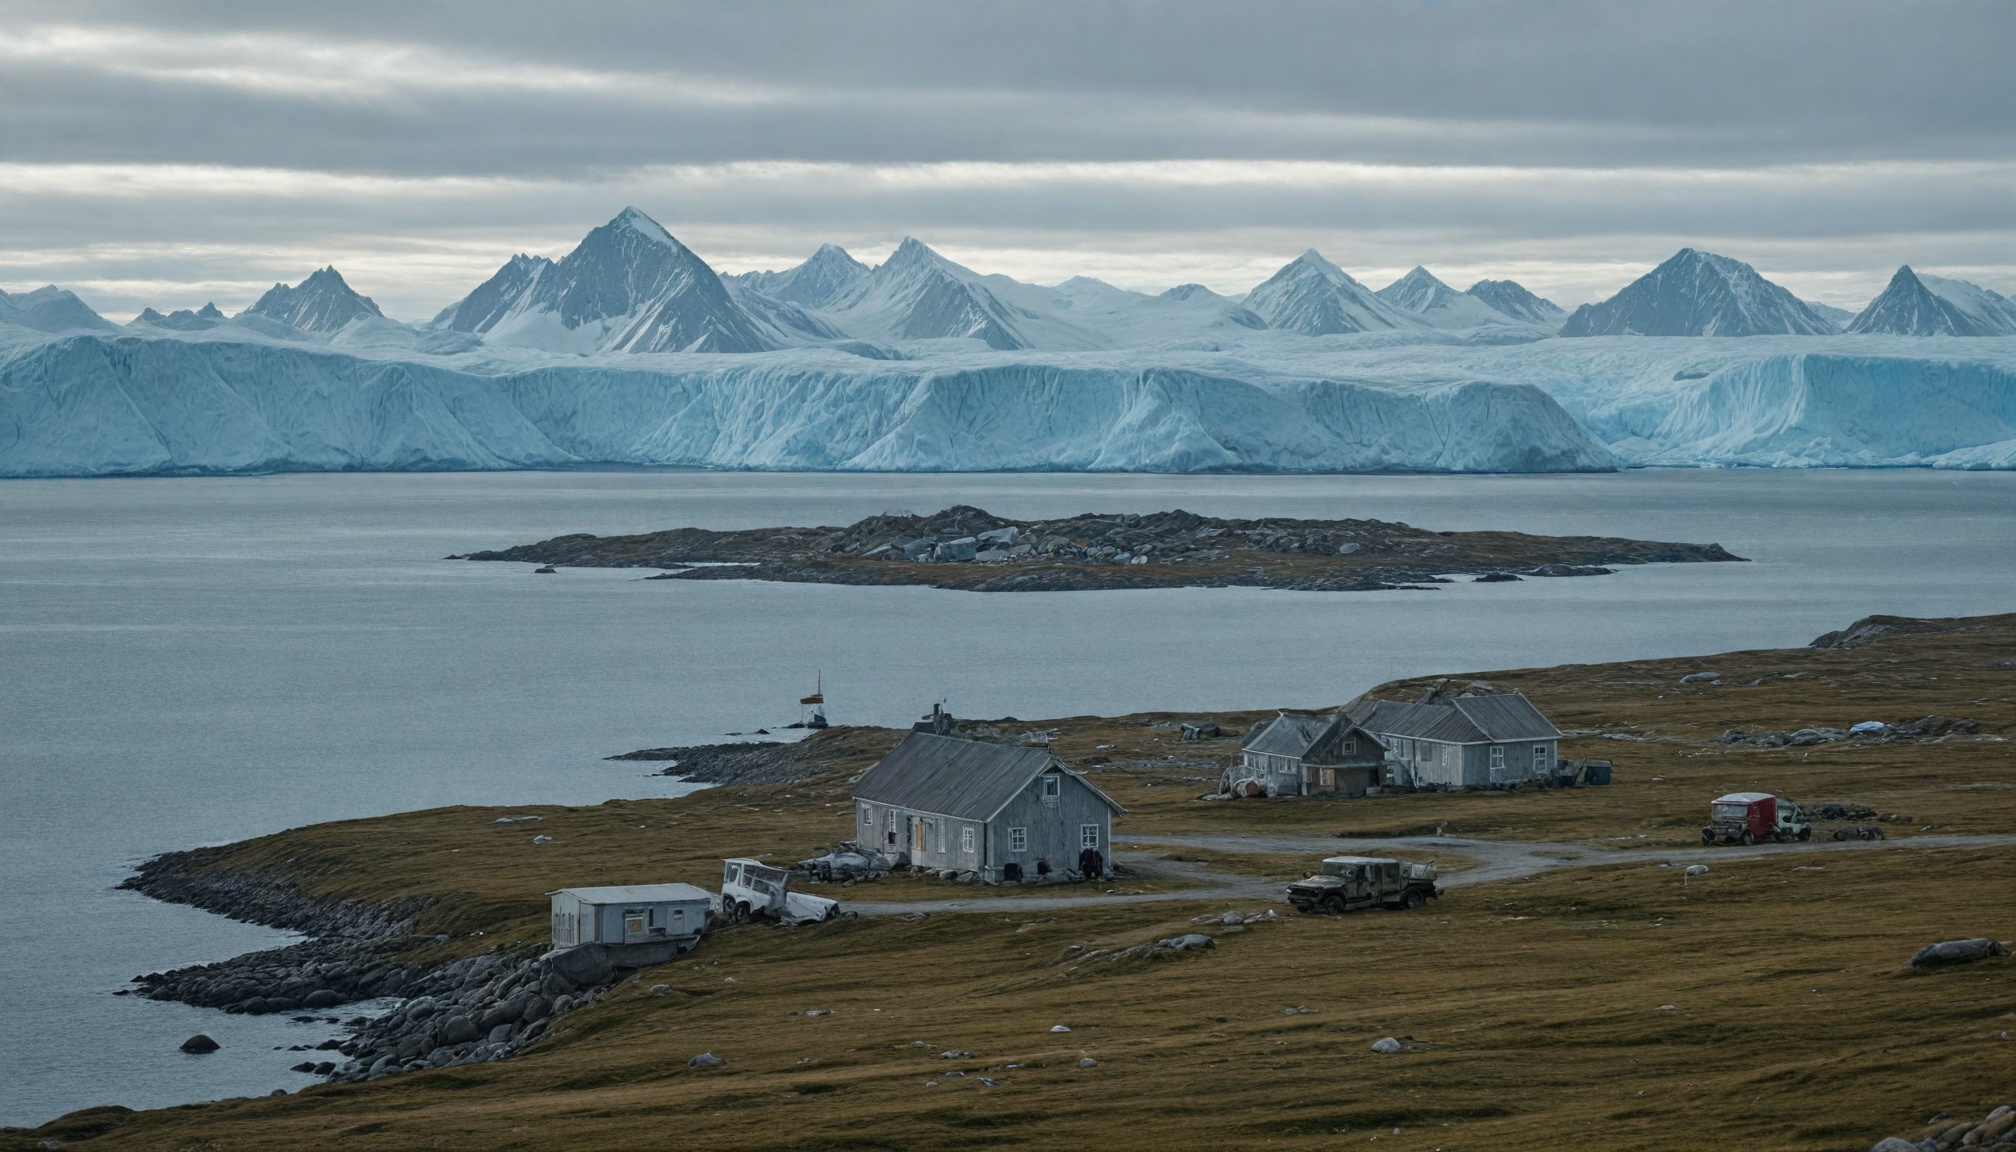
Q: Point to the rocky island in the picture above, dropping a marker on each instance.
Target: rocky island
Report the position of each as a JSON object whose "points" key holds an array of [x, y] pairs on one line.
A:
{"points": [[969, 549]]}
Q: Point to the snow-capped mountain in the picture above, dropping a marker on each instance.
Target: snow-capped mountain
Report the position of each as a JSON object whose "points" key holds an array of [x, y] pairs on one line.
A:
{"points": [[494, 298], [1699, 294], [321, 303], [1436, 303], [1916, 304], [917, 294], [627, 287], [783, 322], [1512, 298], [182, 319], [820, 280], [51, 309], [1312, 296], [1124, 319]]}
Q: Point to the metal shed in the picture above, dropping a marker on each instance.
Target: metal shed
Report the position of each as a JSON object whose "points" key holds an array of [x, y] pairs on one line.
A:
{"points": [[1464, 741], [658, 919], [1004, 812]]}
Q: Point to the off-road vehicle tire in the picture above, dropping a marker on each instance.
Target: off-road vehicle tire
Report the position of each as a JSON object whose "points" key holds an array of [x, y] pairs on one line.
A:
{"points": [[1707, 837], [1413, 899], [1749, 838], [1334, 905], [1805, 834]]}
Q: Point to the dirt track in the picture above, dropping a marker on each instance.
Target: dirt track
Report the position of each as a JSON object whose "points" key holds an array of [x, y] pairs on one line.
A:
{"points": [[1495, 860]]}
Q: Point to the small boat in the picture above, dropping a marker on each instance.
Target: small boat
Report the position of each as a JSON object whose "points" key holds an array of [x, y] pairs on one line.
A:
{"points": [[815, 704]]}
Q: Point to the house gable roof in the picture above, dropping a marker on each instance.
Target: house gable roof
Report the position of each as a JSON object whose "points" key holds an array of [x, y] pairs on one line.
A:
{"points": [[1463, 720], [966, 779], [1506, 716], [1290, 733]]}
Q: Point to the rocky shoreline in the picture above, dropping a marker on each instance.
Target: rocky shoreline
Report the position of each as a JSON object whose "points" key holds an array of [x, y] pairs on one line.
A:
{"points": [[968, 549], [467, 1010]]}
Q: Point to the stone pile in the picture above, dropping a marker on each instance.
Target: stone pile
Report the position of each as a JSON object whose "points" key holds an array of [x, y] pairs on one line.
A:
{"points": [[1994, 1133], [475, 1010]]}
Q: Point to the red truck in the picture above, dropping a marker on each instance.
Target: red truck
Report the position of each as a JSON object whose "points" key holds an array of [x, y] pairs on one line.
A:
{"points": [[1747, 817]]}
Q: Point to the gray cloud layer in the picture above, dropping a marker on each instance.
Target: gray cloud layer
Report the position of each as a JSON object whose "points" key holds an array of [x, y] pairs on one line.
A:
{"points": [[166, 154]]}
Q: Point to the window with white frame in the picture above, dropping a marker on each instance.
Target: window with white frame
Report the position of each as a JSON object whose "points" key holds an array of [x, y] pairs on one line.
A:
{"points": [[1052, 786], [966, 839], [1351, 747], [1088, 836], [1427, 752], [1540, 764], [1018, 839], [1498, 757]]}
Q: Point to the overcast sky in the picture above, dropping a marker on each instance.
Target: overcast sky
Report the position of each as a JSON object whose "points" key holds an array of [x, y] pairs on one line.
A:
{"points": [[167, 154]]}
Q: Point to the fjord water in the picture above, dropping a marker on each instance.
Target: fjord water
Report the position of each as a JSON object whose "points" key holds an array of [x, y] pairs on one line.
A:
{"points": [[191, 661]]}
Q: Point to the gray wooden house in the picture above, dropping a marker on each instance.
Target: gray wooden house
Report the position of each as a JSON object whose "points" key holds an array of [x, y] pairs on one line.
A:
{"points": [[1007, 813], [1310, 754], [636, 923], [1463, 741]]}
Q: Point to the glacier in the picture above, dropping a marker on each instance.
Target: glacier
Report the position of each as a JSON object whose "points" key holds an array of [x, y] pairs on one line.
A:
{"points": [[381, 396], [97, 405]]}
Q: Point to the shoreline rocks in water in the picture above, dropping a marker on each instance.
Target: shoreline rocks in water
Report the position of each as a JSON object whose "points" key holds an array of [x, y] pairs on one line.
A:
{"points": [[969, 549], [462, 1011]]}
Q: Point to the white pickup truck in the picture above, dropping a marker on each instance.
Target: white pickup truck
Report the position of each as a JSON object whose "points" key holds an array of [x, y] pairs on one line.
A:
{"points": [[753, 890]]}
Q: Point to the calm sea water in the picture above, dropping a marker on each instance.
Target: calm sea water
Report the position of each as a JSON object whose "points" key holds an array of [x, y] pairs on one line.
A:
{"points": [[190, 661]]}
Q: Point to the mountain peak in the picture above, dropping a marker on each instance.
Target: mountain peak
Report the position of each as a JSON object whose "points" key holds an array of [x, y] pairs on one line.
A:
{"points": [[1417, 291], [1696, 293], [629, 286], [324, 302], [636, 221], [1513, 299], [1920, 304], [1312, 296]]}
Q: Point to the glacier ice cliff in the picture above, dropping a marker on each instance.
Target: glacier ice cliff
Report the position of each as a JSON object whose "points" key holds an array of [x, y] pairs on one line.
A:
{"points": [[92, 405], [230, 399]]}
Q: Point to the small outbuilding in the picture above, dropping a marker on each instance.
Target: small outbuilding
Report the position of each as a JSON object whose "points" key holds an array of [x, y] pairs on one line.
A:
{"points": [[1003, 812], [1463, 741], [636, 923], [1310, 754]]}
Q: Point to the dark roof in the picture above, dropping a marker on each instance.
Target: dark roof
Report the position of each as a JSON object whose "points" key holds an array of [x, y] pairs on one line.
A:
{"points": [[636, 894], [1290, 733], [1463, 720], [1506, 716], [966, 779]]}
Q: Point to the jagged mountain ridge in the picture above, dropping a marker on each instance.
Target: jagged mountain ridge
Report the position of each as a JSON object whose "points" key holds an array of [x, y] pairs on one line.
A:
{"points": [[323, 302], [627, 287], [1512, 298], [917, 294], [1312, 296], [1916, 304], [1427, 297], [1697, 293], [820, 280]]}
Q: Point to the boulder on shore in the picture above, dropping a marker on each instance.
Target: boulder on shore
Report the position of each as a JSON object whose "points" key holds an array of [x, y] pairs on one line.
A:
{"points": [[200, 1045], [1957, 952]]}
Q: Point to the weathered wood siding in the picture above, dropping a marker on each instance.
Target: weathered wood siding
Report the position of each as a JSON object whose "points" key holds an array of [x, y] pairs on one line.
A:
{"points": [[1053, 824]]}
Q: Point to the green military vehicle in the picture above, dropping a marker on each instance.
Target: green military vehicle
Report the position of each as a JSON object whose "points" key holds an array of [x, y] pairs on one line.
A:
{"points": [[1350, 882]]}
